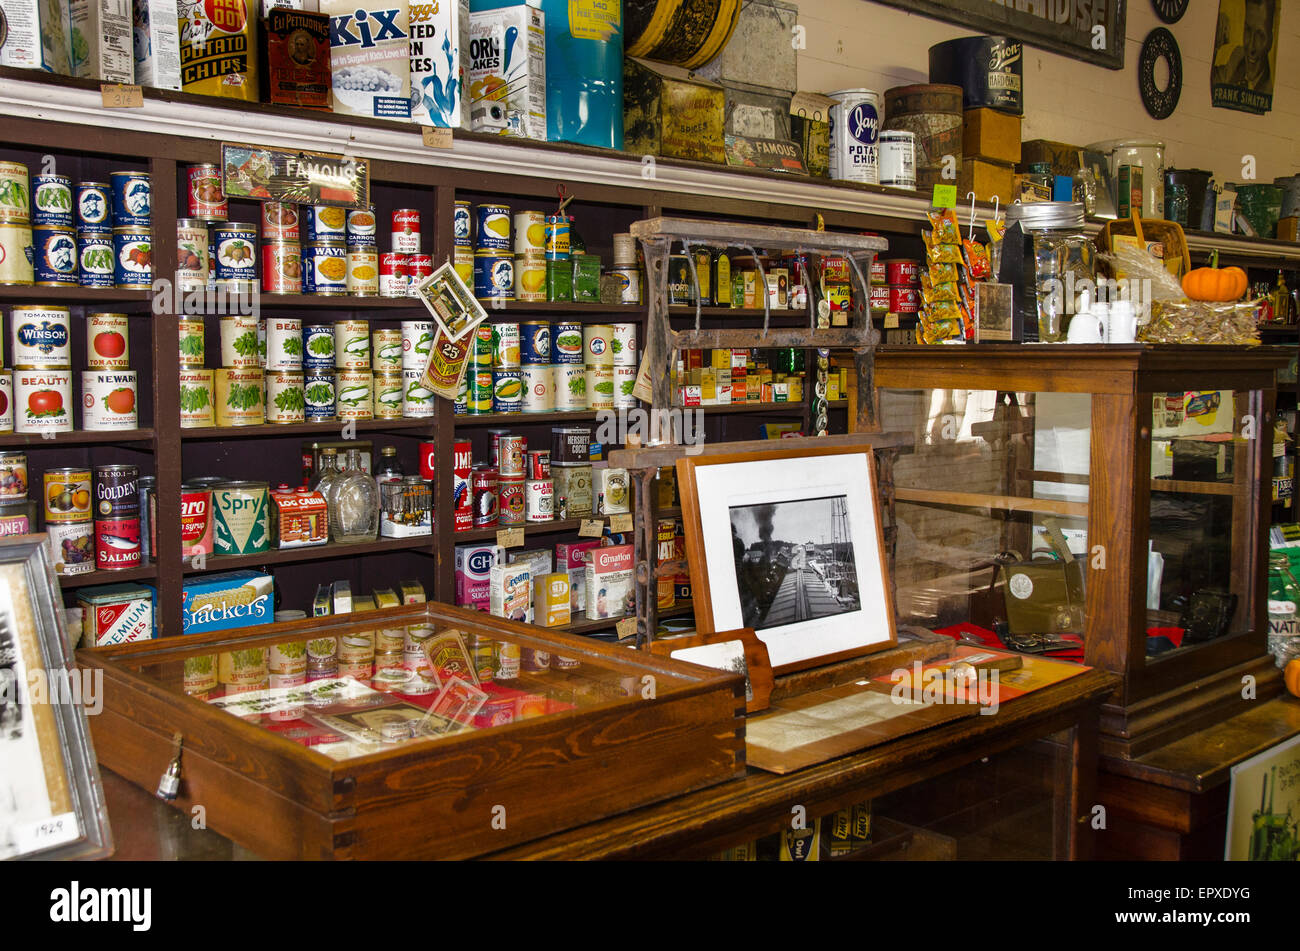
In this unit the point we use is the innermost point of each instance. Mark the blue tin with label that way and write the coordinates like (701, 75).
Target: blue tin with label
(494, 277)
(52, 201)
(318, 349)
(320, 394)
(132, 257)
(95, 257)
(132, 199)
(94, 207)
(535, 342)
(54, 257)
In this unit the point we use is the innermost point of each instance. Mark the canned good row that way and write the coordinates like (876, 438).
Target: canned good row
(52, 200)
(253, 396)
(546, 389)
(502, 276)
(41, 339)
(100, 520)
(509, 345)
(40, 401)
(286, 343)
(494, 228)
(51, 256)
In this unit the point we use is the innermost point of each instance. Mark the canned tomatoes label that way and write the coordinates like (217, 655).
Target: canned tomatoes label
(283, 343)
(13, 478)
(352, 344)
(281, 267)
(52, 201)
(94, 205)
(239, 395)
(240, 518)
(55, 260)
(205, 198)
(318, 347)
(108, 399)
(191, 343)
(493, 228)
(624, 385)
(133, 258)
(72, 547)
(325, 269)
(42, 401)
(40, 337)
(406, 230)
(95, 256)
(67, 495)
(132, 198)
(117, 543)
(280, 222)
(196, 398)
(567, 343)
(236, 247)
(196, 520)
(285, 400)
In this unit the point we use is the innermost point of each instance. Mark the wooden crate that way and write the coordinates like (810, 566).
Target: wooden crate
(678, 728)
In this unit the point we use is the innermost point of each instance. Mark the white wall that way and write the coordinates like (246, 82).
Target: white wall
(854, 43)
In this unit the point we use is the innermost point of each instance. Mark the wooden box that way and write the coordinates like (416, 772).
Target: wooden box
(669, 112)
(991, 135)
(620, 730)
(986, 179)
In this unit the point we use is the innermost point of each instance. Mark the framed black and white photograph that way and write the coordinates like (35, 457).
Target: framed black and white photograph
(788, 542)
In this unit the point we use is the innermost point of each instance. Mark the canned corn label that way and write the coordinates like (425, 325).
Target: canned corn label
(354, 394)
(389, 395)
(386, 351)
(40, 337)
(507, 391)
(417, 399)
(352, 345)
(239, 518)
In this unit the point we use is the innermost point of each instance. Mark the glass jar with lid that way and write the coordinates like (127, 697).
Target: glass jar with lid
(1063, 281)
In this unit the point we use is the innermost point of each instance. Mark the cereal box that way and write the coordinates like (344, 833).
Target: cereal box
(37, 34)
(102, 40)
(156, 44)
(435, 63)
(551, 604)
(511, 592)
(370, 57)
(608, 577)
(507, 72)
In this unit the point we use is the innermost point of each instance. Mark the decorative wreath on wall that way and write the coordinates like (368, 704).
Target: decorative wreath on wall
(1160, 44)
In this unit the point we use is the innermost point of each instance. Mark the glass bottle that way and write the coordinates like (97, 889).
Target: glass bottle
(1281, 301)
(326, 473)
(353, 502)
(1176, 204)
(389, 467)
(1283, 600)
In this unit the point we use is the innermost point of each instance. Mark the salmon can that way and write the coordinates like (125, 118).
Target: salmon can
(285, 396)
(15, 193)
(204, 196)
(539, 390)
(354, 394)
(280, 222)
(192, 264)
(13, 478)
(54, 260)
(41, 335)
(52, 201)
(389, 392)
(239, 512)
(94, 203)
(108, 400)
(132, 199)
(117, 543)
(239, 396)
(196, 519)
(324, 223)
(406, 231)
(6, 401)
(191, 343)
(394, 279)
(281, 267)
(16, 254)
(363, 271)
(325, 269)
(67, 495)
(72, 547)
(239, 345)
(197, 398)
(95, 259)
(42, 401)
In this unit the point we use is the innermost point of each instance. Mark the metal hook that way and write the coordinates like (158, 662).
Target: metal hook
(970, 228)
(996, 204)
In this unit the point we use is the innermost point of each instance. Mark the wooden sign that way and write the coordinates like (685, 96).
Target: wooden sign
(303, 178)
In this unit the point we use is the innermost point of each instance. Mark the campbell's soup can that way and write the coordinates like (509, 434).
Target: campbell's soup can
(283, 343)
(196, 519)
(197, 398)
(418, 401)
(52, 201)
(132, 258)
(108, 400)
(318, 348)
(235, 263)
(386, 350)
(95, 259)
(281, 267)
(16, 253)
(6, 401)
(389, 390)
(325, 269)
(285, 399)
(55, 256)
(280, 222)
(205, 197)
(539, 389)
(323, 223)
(320, 404)
(42, 401)
(394, 278)
(483, 481)
(354, 394)
(132, 198)
(72, 547)
(239, 511)
(68, 495)
(418, 267)
(15, 192)
(406, 231)
(352, 344)
(41, 336)
(106, 342)
(363, 272)
(510, 501)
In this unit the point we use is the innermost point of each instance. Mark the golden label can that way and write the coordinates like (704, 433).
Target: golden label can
(106, 342)
(462, 260)
(283, 343)
(239, 343)
(239, 512)
(285, 396)
(197, 401)
(530, 233)
(192, 264)
(41, 337)
(67, 495)
(15, 193)
(388, 394)
(386, 351)
(239, 396)
(288, 658)
(191, 343)
(363, 272)
(108, 400)
(354, 394)
(16, 252)
(505, 346)
(351, 345)
(42, 401)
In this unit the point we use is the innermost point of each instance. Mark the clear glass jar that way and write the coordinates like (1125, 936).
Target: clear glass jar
(1064, 271)
(1283, 602)
(389, 467)
(353, 502)
(327, 472)
(1176, 204)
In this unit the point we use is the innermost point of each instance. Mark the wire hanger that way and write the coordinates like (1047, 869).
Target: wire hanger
(970, 229)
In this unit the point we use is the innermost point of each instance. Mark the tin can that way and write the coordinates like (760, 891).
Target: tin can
(418, 267)
(285, 402)
(493, 228)
(283, 343)
(530, 278)
(108, 400)
(855, 131)
(15, 194)
(239, 346)
(510, 454)
(205, 196)
(361, 230)
(459, 405)
(288, 658)
(539, 393)
(898, 159)
(13, 479)
(505, 346)
(624, 249)
(462, 261)
(68, 492)
(117, 543)
(533, 660)
(557, 238)
(323, 223)
(567, 343)
(117, 492)
(460, 223)
(6, 401)
(573, 483)
(42, 401)
(389, 388)
(363, 272)
(570, 387)
(394, 279)
(132, 199)
(197, 398)
(539, 500)
(507, 661)
(318, 347)
(325, 269)
(352, 344)
(535, 343)
(623, 345)
(148, 519)
(538, 465)
(280, 222)
(133, 258)
(239, 396)
(72, 547)
(54, 260)
(17, 253)
(247, 668)
(600, 387)
(386, 350)
(281, 267)
(354, 394)
(418, 402)
(494, 277)
(530, 233)
(559, 281)
(904, 300)
(478, 393)
(624, 385)
(192, 264)
(240, 518)
(878, 299)
(481, 356)
(319, 396)
(483, 481)
(52, 201)
(417, 338)
(510, 501)
(191, 343)
(235, 263)
(196, 520)
(903, 271)
(406, 230)
(200, 676)
(597, 344)
(40, 335)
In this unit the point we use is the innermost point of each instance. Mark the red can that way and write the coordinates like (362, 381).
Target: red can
(484, 481)
(406, 230)
(904, 300)
(394, 275)
(196, 520)
(904, 271)
(117, 543)
(418, 267)
(280, 221)
(462, 497)
(835, 269)
(206, 197)
(879, 273)
(510, 501)
(879, 298)
(539, 464)
(117, 494)
(281, 267)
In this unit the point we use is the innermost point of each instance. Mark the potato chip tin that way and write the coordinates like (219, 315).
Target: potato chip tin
(236, 252)
(13, 478)
(280, 222)
(354, 394)
(191, 343)
(6, 401)
(319, 395)
(240, 521)
(624, 385)
(67, 495)
(388, 395)
(600, 387)
(132, 199)
(285, 402)
(283, 343)
(52, 201)
(197, 398)
(535, 343)
(493, 228)
(567, 343)
(417, 400)
(623, 344)
(239, 345)
(239, 396)
(16, 254)
(361, 227)
(539, 391)
(557, 237)
(41, 336)
(325, 269)
(530, 233)
(318, 347)
(494, 277)
(406, 230)
(386, 350)
(394, 281)
(539, 500)
(323, 223)
(363, 272)
(505, 346)
(205, 197)
(570, 387)
(54, 260)
(133, 258)
(15, 194)
(417, 338)
(352, 344)
(108, 400)
(72, 547)
(42, 401)
(281, 267)
(196, 520)
(855, 132)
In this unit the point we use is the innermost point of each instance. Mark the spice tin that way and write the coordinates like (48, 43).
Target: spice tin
(559, 281)
(600, 387)
(530, 233)
(40, 335)
(352, 344)
(15, 193)
(494, 277)
(478, 391)
(191, 343)
(539, 500)
(596, 343)
(623, 344)
(388, 395)
(239, 346)
(13, 477)
(67, 494)
(235, 263)
(510, 501)
(417, 400)
(197, 398)
(72, 547)
(904, 300)
(505, 346)
(903, 271)
(239, 395)
(539, 392)
(386, 350)
(323, 223)
(281, 267)
(406, 230)
(363, 272)
(325, 269)
(52, 201)
(117, 543)
(354, 394)
(17, 253)
(285, 402)
(567, 343)
(6, 401)
(624, 384)
(94, 207)
(361, 227)
(570, 387)
(898, 159)
(557, 237)
(530, 278)
(510, 453)
(855, 131)
(117, 492)
(132, 198)
(205, 197)
(460, 223)
(54, 260)
(493, 228)
(240, 518)
(417, 338)
(319, 396)
(42, 401)
(483, 481)
(393, 277)
(196, 519)
(573, 483)
(418, 267)
(283, 343)
(108, 400)
(535, 343)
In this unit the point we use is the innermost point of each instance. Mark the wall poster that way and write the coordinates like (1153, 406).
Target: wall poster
(1245, 55)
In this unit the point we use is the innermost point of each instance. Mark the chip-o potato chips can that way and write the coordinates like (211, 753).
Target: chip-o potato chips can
(239, 346)
(108, 400)
(219, 48)
(283, 343)
(354, 394)
(570, 387)
(42, 401)
(389, 392)
(197, 398)
(239, 396)
(285, 400)
(600, 387)
(363, 272)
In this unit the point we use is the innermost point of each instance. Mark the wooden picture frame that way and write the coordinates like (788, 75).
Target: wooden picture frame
(757, 666)
(51, 800)
(839, 604)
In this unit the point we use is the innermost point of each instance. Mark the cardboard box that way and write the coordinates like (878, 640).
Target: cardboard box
(436, 55)
(369, 78)
(670, 112)
(507, 73)
(157, 44)
(1128, 190)
(986, 179)
(102, 40)
(610, 588)
(296, 58)
(228, 600)
(412, 592)
(474, 573)
(552, 601)
(510, 592)
(116, 614)
(38, 35)
(991, 135)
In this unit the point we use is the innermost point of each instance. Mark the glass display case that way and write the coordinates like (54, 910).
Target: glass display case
(1110, 499)
(425, 731)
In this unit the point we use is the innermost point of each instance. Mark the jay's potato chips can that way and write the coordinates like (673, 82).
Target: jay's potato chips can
(219, 48)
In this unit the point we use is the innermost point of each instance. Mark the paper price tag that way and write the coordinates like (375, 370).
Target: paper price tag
(891, 321)
(119, 96)
(620, 523)
(626, 628)
(436, 137)
(591, 528)
(510, 537)
(945, 196)
(47, 833)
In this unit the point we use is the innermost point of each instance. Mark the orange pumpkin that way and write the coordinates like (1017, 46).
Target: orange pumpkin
(1291, 677)
(1215, 284)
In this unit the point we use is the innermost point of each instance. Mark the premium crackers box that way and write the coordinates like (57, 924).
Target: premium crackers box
(608, 577)
(296, 58)
(116, 614)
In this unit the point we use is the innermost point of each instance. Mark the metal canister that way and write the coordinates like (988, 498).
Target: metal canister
(573, 483)
(538, 465)
(148, 518)
(417, 400)
(40, 336)
(600, 387)
(240, 525)
(510, 501)
(318, 348)
(493, 228)
(530, 278)
(570, 387)
(855, 133)
(494, 277)
(510, 454)
(205, 197)
(460, 224)
(288, 658)
(352, 344)
(361, 230)
(196, 519)
(567, 342)
(117, 491)
(235, 264)
(320, 396)
(192, 264)
(54, 260)
(478, 393)
(239, 346)
(239, 396)
(15, 194)
(505, 346)
(108, 400)
(623, 345)
(539, 391)
(535, 342)
(597, 344)
(283, 343)
(13, 478)
(280, 222)
(462, 261)
(72, 547)
(354, 394)
(42, 401)
(483, 482)
(898, 159)
(903, 271)
(481, 355)
(68, 492)
(325, 269)
(386, 350)
(191, 343)
(557, 238)
(570, 445)
(285, 400)
(133, 258)
(197, 398)
(281, 267)
(417, 338)
(539, 500)
(363, 271)
(16, 253)
(389, 393)
(406, 230)
(132, 198)
(530, 233)
(624, 384)
(323, 223)
(418, 267)
(394, 280)
(52, 201)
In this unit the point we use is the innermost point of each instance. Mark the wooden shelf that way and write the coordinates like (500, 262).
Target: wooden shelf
(586, 627)
(271, 430)
(339, 302)
(79, 437)
(554, 527)
(73, 295)
(623, 312)
(794, 409)
(287, 556)
(748, 313)
(1193, 488)
(496, 419)
(1001, 503)
(143, 573)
